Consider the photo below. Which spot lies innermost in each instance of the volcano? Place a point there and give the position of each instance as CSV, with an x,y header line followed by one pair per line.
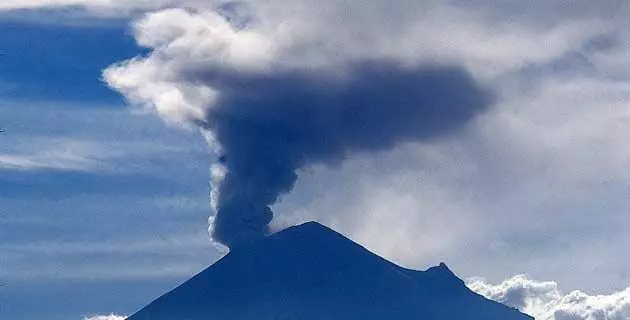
x,y
310,272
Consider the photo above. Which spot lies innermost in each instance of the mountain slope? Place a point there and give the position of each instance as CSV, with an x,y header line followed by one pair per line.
x,y
310,272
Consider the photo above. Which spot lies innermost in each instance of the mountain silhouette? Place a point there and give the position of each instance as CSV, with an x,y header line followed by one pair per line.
x,y
310,272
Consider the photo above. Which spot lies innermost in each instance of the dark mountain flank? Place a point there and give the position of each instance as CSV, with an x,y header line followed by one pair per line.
x,y
310,272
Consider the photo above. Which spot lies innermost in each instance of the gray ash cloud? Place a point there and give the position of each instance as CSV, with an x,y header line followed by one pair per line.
x,y
269,125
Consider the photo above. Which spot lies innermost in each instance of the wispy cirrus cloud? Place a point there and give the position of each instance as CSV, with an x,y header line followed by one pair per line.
x,y
141,257
62,155
95,6
56,136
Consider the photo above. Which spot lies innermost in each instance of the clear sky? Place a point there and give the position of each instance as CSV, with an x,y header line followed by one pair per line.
x,y
99,206
105,179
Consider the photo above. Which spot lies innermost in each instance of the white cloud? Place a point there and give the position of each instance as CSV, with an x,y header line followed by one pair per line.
x,y
61,154
541,299
545,301
93,6
536,184
178,243
542,176
388,203
43,136
539,176
183,41
302,34
106,317
180,256
79,154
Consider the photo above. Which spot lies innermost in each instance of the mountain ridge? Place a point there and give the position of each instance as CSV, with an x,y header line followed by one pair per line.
x,y
311,272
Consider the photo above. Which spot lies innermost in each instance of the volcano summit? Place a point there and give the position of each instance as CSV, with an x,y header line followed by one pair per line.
x,y
310,272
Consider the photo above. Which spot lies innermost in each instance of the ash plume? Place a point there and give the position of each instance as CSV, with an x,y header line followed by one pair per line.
x,y
269,109
270,125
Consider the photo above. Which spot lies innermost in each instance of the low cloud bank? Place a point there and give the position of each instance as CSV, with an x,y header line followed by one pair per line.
x,y
545,301
106,317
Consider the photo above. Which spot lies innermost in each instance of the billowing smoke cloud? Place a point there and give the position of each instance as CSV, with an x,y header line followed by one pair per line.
x,y
269,126
268,122
545,301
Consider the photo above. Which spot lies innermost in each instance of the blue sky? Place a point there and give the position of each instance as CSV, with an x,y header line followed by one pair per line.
x,y
100,206
105,181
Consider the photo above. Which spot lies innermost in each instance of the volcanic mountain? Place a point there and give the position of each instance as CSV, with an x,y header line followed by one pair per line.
x,y
310,272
